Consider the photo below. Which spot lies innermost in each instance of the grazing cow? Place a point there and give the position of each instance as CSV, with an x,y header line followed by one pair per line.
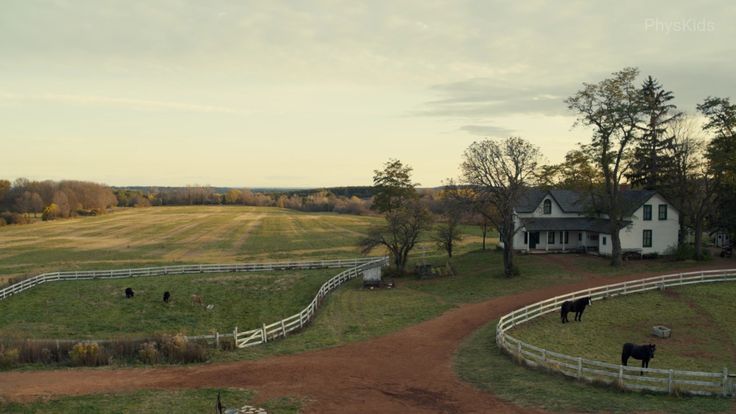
x,y
577,306
642,352
197,300
167,297
129,293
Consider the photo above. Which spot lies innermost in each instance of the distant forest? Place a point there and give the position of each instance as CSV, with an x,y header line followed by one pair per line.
x,y
24,200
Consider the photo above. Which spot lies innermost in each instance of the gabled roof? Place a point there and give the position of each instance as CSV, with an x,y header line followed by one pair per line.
x,y
571,201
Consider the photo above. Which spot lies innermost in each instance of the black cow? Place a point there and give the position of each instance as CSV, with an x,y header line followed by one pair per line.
x,y
577,306
167,297
129,293
642,352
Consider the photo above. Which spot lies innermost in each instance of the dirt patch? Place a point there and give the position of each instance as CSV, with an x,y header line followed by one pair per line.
x,y
410,371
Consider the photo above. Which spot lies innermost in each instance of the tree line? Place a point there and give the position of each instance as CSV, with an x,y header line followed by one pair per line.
x,y
302,200
639,140
24,198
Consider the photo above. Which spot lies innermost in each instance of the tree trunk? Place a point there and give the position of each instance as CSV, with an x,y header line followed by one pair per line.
x,y
508,254
698,238
485,231
615,248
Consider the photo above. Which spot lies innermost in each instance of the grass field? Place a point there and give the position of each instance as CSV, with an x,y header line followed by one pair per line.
x,y
63,309
150,402
701,318
201,234
480,362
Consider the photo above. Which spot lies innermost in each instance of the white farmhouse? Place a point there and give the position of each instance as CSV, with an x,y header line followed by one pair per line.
x,y
562,220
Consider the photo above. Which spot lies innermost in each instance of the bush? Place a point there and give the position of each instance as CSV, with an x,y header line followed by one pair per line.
x,y
178,349
2,222
51,212
148,354
87,354
8,357
14,218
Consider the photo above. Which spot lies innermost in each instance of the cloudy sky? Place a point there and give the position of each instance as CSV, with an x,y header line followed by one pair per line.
x,y
320,93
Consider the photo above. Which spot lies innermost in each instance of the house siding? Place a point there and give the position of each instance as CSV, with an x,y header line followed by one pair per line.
x,y
664,232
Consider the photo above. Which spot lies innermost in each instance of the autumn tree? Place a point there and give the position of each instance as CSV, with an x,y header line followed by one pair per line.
x,y
497,173
406,218
613,109
447,233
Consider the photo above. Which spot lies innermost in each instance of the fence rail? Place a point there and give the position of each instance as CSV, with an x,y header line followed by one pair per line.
x,y
242,339
657,380
282,328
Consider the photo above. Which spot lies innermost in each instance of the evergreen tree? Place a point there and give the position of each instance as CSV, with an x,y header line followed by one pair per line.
x,y
652,164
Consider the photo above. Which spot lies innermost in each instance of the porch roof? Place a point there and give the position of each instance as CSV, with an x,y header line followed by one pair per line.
x,y
568,224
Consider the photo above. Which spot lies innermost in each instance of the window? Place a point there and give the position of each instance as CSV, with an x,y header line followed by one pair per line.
x,y
566,236
647,212
580,237
663,211
548,206
603,240
526,238
647,238
551,237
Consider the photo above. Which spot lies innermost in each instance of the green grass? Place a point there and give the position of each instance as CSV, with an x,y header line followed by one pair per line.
x,y
701,318
168,235
98,309
150,402
480,362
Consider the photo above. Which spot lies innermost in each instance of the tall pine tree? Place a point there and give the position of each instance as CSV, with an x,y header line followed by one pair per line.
x,y
652,163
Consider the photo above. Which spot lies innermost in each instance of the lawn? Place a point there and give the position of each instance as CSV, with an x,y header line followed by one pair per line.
x,y
701,318
94,309
150,402
480,362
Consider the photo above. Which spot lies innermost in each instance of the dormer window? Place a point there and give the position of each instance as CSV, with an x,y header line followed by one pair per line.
x,y
548,206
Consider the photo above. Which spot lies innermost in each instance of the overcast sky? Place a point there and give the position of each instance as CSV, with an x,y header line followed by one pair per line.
x,y
321,93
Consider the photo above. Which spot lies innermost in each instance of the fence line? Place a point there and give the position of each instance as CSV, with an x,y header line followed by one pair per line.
x,y
242,339
627,377
297,321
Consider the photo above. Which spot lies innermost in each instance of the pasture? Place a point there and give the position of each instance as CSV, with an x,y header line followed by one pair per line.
x,y
98,309
701,318
192,234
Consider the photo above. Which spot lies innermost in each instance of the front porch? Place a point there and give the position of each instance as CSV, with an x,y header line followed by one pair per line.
x,y
563,241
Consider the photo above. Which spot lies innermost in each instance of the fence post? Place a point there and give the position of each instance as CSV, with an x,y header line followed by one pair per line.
x,y
235,336
265,334
283,328
725,381
580,367
670,389
544,357
518,349
621,376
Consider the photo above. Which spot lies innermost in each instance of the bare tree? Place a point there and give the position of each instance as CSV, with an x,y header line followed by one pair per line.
x,y
497,173
448,233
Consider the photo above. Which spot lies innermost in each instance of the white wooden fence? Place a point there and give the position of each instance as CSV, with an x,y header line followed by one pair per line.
x,y
242,339
297,321
627,377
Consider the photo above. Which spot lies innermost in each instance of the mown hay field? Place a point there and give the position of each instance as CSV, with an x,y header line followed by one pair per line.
x,y
167,235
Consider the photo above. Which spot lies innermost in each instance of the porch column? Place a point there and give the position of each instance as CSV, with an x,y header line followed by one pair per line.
x,y
546,241
585,241
563,239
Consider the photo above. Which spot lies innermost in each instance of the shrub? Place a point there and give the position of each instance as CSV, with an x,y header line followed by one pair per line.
x,y
14,218
8,356
51,212
2,222
148,354
179,349
87,354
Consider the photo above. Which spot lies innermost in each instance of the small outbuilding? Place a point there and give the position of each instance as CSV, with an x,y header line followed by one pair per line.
x,y
372,277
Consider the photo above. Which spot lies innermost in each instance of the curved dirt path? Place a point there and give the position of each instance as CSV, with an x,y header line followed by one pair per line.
x,y
409,371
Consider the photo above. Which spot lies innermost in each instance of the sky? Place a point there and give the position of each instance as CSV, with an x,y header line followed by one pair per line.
x,y
321,93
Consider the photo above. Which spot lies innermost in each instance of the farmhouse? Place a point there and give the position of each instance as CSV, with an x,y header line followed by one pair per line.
x,y
563,220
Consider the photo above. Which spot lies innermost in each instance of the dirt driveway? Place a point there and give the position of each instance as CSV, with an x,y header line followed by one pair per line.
x,y
409,371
